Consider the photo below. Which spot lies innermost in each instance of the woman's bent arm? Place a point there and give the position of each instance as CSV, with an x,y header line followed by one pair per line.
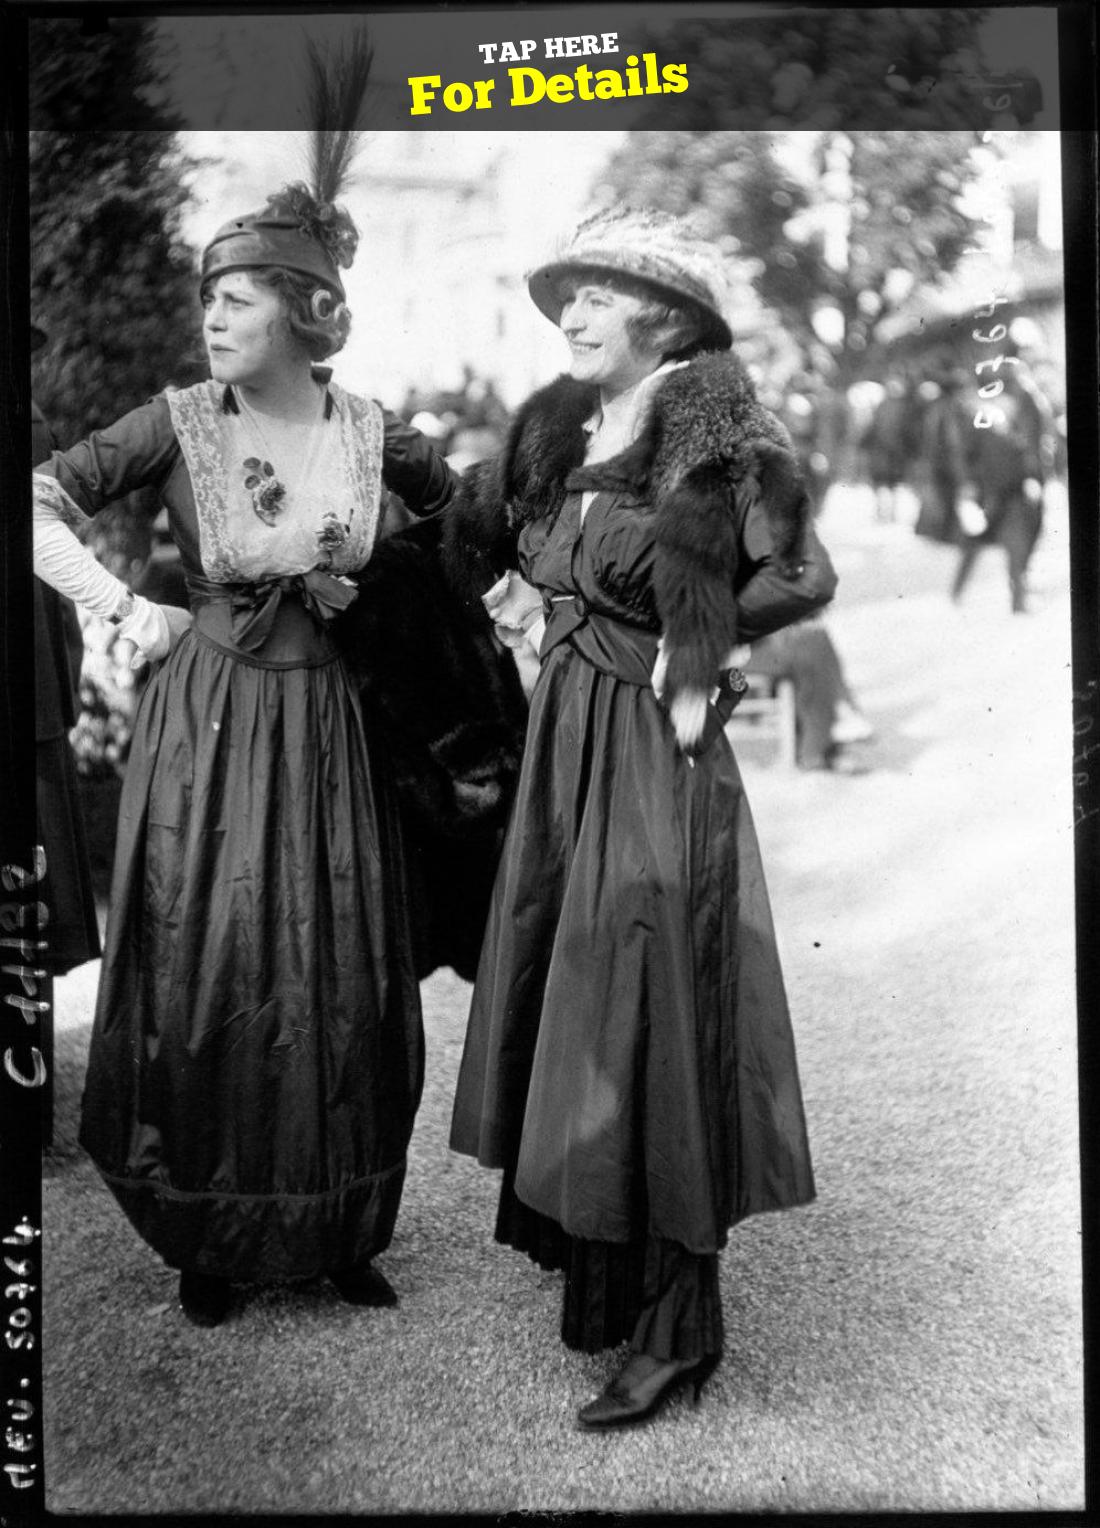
x,y
413,469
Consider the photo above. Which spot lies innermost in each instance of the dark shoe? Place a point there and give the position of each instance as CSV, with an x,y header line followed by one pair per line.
x,y
641,1386
204,1299
364,1285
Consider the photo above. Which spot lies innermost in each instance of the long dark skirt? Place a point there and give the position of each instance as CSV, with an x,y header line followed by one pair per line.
x,y
630,1052
257,1055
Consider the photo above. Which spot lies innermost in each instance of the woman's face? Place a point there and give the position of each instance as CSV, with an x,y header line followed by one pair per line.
x,y
594,320
247,336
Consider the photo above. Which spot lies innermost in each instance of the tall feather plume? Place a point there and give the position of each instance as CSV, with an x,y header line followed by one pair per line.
x,y
338,79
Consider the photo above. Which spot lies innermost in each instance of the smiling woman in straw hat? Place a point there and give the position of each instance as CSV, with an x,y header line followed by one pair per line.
x,y
257,1054
629,1062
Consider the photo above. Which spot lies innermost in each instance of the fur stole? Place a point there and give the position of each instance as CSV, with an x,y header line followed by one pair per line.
x,y
709,453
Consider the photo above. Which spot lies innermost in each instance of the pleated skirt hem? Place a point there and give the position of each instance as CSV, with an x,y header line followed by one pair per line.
x,y
651,1293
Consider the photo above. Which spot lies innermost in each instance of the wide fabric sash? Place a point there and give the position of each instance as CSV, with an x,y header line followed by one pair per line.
x,y
254,608
629,653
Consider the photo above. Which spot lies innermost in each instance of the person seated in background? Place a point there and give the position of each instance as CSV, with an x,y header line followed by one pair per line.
x,y
828,719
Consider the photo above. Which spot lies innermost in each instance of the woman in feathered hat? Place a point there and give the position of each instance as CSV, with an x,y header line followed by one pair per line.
x,y
629,1061
256,1059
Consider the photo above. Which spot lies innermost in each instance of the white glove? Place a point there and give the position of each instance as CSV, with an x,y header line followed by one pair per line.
x,y
972,517
515,608
62,561
153,629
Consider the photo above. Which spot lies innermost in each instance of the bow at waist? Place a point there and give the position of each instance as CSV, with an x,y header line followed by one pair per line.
x,y
254,606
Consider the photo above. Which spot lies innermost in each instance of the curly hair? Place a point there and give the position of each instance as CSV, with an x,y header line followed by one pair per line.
x,y
685,324
315,316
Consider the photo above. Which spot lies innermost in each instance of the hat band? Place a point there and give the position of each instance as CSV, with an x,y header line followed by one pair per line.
x,y
673,285
669,274
251,248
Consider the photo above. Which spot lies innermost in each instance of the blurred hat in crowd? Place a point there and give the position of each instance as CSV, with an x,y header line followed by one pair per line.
x,y
663,251
295,230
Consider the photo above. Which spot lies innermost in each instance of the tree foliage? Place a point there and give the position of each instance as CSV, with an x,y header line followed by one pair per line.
x,y
831,68
112,281
846,222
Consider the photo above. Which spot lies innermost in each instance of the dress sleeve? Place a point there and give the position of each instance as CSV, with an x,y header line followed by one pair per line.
x,y
413,469
770,598
137,451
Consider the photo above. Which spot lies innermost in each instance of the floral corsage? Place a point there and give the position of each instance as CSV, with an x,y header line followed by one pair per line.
x,y
266,490
330,538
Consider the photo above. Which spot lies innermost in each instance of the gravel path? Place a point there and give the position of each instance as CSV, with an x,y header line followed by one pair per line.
x,y
910,1341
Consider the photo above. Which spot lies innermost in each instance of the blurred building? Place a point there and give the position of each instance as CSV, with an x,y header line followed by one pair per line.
x,y
449,222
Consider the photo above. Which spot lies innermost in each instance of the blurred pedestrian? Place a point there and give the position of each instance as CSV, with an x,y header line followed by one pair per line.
x,y
944,444
984,483
443,703
257,1054
891,444
72,934
1006,467
630,1063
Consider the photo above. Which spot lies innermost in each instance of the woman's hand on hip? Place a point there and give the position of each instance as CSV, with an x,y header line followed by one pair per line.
x,y
153,629
688,708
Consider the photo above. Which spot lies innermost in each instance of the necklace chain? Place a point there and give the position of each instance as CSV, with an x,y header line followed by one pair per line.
x,y
304,463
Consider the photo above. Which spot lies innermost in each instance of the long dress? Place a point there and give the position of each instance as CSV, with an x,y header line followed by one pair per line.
x,y
629,1060
257,1052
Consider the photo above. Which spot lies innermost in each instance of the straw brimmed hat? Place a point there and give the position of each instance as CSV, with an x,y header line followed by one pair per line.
x,y
663,251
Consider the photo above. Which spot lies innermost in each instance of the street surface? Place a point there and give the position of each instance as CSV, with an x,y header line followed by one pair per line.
x,y
911,1341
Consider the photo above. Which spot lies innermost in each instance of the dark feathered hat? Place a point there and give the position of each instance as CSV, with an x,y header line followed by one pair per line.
x,y
301,228
294,230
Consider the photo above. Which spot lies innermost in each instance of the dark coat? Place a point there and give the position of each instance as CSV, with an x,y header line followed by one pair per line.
x,y
445,705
